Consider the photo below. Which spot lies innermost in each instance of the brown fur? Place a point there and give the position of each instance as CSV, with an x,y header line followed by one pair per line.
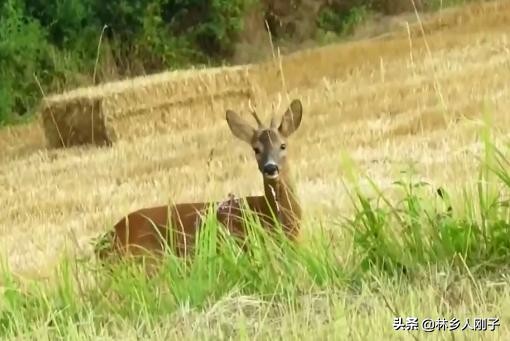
x,y
148,229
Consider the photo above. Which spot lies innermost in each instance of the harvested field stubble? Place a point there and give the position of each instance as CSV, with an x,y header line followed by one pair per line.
x,y
386,103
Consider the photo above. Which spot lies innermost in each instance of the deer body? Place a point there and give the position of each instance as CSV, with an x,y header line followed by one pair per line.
x,y
148,229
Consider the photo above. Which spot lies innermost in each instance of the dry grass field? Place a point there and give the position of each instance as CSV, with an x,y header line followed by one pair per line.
x,y
406,98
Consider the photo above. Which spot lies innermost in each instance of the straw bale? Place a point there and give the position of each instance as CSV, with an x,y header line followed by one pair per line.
x,y
75,121
124,110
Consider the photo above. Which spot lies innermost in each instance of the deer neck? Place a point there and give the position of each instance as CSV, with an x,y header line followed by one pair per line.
x,y
282,200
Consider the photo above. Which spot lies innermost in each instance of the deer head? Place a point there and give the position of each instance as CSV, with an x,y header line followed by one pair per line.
x,y
268,143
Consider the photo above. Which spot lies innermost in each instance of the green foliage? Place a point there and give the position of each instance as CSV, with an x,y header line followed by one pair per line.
x,y
67,22
422,229
342,21
340,18
223,20
169,34
23,49
56,41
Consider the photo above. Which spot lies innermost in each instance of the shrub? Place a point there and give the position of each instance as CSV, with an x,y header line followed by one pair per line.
x,y
169,34
342,21
23,49
56,40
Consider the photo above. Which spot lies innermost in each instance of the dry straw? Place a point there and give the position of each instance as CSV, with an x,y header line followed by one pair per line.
x,y
105,113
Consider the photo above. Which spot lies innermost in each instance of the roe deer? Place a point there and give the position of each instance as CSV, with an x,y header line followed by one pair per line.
x,y
149,228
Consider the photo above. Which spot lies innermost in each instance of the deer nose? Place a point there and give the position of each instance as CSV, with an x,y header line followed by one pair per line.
x,y
270,168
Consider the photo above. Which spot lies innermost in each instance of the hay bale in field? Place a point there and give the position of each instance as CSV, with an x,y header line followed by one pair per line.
x,y
100,115
69,121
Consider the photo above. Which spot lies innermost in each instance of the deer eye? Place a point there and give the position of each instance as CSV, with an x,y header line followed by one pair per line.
x,y
256,150
283,146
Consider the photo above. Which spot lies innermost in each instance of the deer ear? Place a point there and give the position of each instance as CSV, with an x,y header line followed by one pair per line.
x,y
291,119
239,127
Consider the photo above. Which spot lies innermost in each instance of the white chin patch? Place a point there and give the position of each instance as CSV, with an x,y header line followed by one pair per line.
x,y
272,177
